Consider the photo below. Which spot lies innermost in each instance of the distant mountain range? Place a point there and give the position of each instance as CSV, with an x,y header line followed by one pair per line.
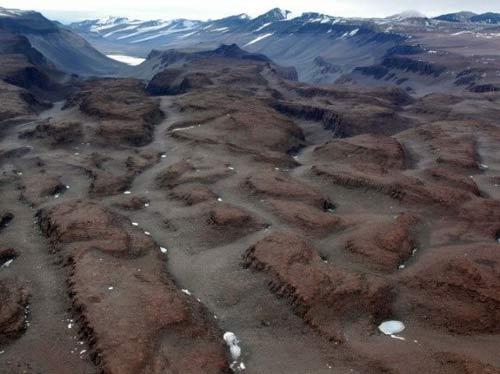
x,y
322,48
126,31
407,49
488,18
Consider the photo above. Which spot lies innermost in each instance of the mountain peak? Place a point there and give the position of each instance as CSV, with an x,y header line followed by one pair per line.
x,y
407,14
5,12
275,14
110,20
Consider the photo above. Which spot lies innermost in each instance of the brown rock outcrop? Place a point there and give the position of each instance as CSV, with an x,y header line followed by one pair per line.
x,y
130,311
326,296
13,302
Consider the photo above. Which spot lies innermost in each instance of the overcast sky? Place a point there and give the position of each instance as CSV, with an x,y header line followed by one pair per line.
x,y
69,10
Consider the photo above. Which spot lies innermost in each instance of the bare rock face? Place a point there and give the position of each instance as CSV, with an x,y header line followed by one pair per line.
x,y
385,245
37,187
13,302
131,312
19,71
193,193
153,318
226,215
407,189
310,220
130,203
125,113
327,297
226,223
174,82
275,184
450,178
457,289
169,177
349,112
477,220
240,122
383,151
17,101
184,172
92,226
453,143
105,183
114,176
58,133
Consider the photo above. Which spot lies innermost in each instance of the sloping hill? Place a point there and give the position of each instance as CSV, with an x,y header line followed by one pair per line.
x,y
64,48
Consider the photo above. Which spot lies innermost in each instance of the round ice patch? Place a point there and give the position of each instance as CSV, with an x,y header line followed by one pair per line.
x,y
391,327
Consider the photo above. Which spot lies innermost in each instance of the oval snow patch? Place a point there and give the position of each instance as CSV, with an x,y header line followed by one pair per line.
x,y
391,327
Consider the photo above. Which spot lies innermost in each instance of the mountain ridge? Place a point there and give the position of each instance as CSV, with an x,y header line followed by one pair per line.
x,y
64,48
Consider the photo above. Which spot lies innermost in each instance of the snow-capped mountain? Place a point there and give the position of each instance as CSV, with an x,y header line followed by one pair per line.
x,y
306,41
135,31
407,14
321,47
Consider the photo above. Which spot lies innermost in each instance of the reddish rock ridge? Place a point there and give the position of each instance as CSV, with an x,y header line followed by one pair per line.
x,y
13,314
327,297
456,289
193,193
129,310
384,151
126,114
310,220
57,133
385,245
38,187
277,184
240,121
184,172
407,189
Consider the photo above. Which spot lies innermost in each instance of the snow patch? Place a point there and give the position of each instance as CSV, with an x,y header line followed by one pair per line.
x,y
232,343
258,39
391,327
188,35
7,263
263,26
221,29
129,60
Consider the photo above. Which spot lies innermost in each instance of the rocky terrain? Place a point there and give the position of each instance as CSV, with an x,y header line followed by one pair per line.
x,y
217,215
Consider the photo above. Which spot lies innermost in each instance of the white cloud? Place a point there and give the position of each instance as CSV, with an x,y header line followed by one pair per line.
x,y
196,9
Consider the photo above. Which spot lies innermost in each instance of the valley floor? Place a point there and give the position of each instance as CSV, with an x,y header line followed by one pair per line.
x,y
143,228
